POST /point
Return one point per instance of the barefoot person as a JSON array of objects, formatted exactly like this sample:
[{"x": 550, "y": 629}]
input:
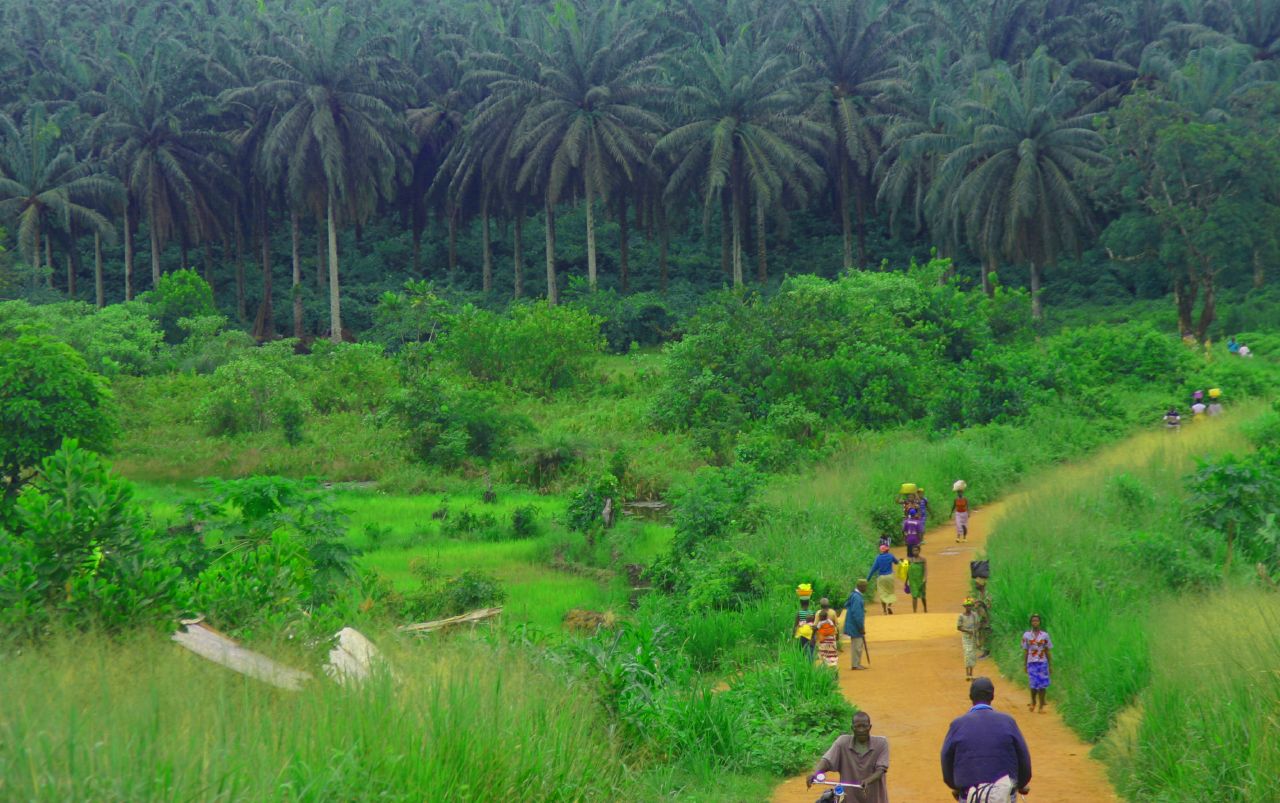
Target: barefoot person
[
  {"x": 960, "y": 511},
  {"x": 855, "y": 623},
  {"x": 860, "y": 758},
  {"x": 1037, "y": 648},
  {"x": 967, "y": 623},
  {"x": 984, "y": 751},
  {"x": 882, "y": 575}
]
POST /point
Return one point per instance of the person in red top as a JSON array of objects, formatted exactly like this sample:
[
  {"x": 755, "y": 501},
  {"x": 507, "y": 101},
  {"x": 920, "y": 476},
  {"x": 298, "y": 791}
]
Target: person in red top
[{"x": 960, "y": 509}]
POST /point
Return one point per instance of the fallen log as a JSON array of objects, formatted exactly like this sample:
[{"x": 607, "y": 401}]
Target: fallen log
[
  {"x": 208, "y": 643},
  {"x": 471, "y": 617}
]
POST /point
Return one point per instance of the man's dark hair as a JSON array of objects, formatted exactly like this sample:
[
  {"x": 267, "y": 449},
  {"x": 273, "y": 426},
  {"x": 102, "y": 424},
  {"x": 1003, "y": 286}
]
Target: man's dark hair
[
  {"x": 863, "y": 715},
  {"x": 982, "y": 690}
]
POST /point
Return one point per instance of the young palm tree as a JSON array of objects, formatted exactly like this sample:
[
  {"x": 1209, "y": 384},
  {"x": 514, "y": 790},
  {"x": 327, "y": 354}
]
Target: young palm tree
[
  {"x": 1011, "y": 186},
  {"x": 335, "y": 141},
  {"x": 743, "y": 139},
  {"x": 44, "y": 186}
]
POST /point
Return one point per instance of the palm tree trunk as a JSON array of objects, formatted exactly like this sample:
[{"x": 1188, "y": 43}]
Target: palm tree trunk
[
  {"x": 206, "y": 258},
  {"x": 553, "y": 292},
  {"x": 737, "y": 241},
  {"x": 860, "y": 207},
  {"x": 1259, "y": 272},
  {"x": 453, "y": 244},
  {"x": 37, "y": 245},
  {"x": 415, "y": 222},
  {"x": 846, "y": 227},
  {"x": 517, "y": 254},
  {"x": 321, "y": 265},
  {"x": 486, "y": 267},
  {"x": 1036, "y": 312},
  {"x": 128, "y": 254},
  {"x": 762, "y": 253},
  {"x": 71, "y": 274},
  {"x": 624, "y": 245},
  {"x": 183, "y": 262},
  {"x": 335, "y": 303},
  {"x": 99, "y": 290},
  {"x": 591, "y": 238},
  {"x": 726, "y": 234},
  {"x": 48, "y": 261},
  {"x": 264, "y": 327},
  {"x": 155, "y": 250},
  {"x": 664, "y": 240},
  {"x": 242, "y": 311},
  {"x": 295, "y": 234}
]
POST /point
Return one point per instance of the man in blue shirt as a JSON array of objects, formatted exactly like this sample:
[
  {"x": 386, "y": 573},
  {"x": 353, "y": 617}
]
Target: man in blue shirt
[
  {"x": 985, "y": 746},
  {"x": 855, "y": 624}
]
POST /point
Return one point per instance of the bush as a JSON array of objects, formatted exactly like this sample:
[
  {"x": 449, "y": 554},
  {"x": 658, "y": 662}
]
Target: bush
[
  {"x": 446, "y": 423},
  {"x": 587, "y": 504},
  {"x": 180, "y": 294},
  {"x": 710, "y": 504},
  {"x": 350, "y": 377},
  {"x": 47, "y": 393},
  {"x": 208, "y": 344},
  {"x": 253, "y": 395},
  {"x": 535, "y": 348},
  {"x": 524, "y": 522}
]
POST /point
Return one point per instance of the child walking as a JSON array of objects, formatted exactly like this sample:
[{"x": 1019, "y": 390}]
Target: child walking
[
  {"x": 825, "y": 633},
  {"x": 1037, "y": 648}
]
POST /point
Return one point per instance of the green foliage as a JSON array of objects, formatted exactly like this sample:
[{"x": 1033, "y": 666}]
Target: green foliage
[
  {"x": 179, "y": 294},
  {"x": 47, "y": 394},
  {"x": 414, "y": 315},
  {"x": 250, "y": 394},
  {"x": 440, "y": 596},
  {"x": 207, "y": 344},
  {"x": 446, "y": 423},
  {"x": 350, "y": 377},
  {"x": 524, "y": 521},
  {"x": 81, "y": 552},
  {"x": 1239, "y": 498},
  {"x": 711, "y": 504},
  {"x": 536, "y": 348},
  {"x": 121, "y": 338},
  {"x": 638, "y": 319},
  {"x": 587, "y": 504}
]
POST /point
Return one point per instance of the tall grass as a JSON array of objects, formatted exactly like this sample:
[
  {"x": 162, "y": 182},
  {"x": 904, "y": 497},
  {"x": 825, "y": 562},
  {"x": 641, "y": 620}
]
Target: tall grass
[
  {"x": 90, "y": 719},
  {"x": 1210, "y": 726}
]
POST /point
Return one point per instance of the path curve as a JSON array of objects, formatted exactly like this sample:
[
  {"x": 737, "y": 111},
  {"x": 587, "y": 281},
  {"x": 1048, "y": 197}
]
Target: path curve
[{"x": 916, "y": 686}]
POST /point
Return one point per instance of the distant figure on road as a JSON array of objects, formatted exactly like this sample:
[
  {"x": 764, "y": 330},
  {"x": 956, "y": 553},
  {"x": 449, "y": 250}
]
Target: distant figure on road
[
  {"x": 982, "y": 607},
  {"x": 984, "y": 753},
  {"x": 860, "y": 758},
  {"x": 882, "y": 573},
  {"x": 1037, "y": 649},
  {"x": 917, "y": 575},
  {"x": 913, "y": 529},
  {"x": 967, "y": 623},
  {"x": 855, "y": 623},
  {"x": 825, "y": 633},
  {"x": 960, "y": 510}
]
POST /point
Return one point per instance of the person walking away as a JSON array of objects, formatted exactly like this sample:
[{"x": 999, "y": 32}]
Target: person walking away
[
  {"x": 1215, "y": 401},
  {"x": 1037, "y": 649},
  {"x": 923, "y": 505},
  {"x": 855, "y": 623},
  {"x": 882, "y": 574},
  {"x": 984, "y": 750},
  {"x": 960, "y": 511},
  {"x": 860, "y": 758},
  {"x": 1198, "y": 407},
  {"x": 824, "y": 604},
  {"x": 913, "y": 529},
  {"x": 802, "y": 628},
  {"x": 824, "y": 633},
  {"x": 967, "y": 624},
  {"x": 982, "y": 607},
  {"x": 917, "y": 574}
]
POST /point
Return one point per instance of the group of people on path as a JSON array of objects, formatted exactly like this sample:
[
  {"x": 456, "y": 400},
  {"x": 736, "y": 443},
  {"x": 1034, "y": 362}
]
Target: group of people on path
[
  {"x": 984, "y": 758},
  {"x": 1199, "y": 408}
]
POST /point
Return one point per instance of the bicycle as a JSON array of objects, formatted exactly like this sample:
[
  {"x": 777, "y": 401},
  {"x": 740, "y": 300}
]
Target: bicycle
[{"x": 837, "y": 791}]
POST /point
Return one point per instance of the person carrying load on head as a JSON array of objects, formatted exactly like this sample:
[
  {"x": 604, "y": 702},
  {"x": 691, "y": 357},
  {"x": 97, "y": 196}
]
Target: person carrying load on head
[
  {"x": 913, "y": 529},
  {"x": 802, "y": 628},
  {"x": 960, "y": 511},
  {"x": 1215, "y": 401},
  {"x": 882, "y": 575},
  {"x": 1198, "y": 407}
]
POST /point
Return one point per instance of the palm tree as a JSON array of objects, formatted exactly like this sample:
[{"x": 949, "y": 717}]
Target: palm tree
[
  {"x": 854, "y": 52},
  {"x": 743, "y": 139},
  {"x": 43, "y": 185},
  {"x": 335, "y": 142},
  {"x": 1011, "y": 186},
  {"x": 168, "y": 164}
]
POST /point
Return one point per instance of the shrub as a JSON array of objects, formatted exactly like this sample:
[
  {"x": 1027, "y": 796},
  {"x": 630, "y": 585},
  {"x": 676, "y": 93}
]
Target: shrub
[
  {"x": 446, "y": 423},
  {"x": 208, "y": 344},
  {"x": 350, "y": 377},
  {"x": 586, "y": 504},
  {"x": 710, "y": 504},
  {"x": 47, "y": 393},
  {"x": 180, "y": 294},
  {"x": 253, "y": 395},
  {"x": 524, "y": 522},
  {"x": 120, "y": 338},
  {"x": 535, "y": 348}
]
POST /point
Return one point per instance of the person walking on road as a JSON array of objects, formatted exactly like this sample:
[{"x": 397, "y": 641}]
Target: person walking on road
[
  {"x": 984, "y": 755},
  {"x": 917, "y": 574},
  {"x": 960, "y": 511},
  {"x": 855, "y": 623},
  {"x": 1037, "y": 649},
  {"x": 982, "y": 607},
  {"x": 967, "y": 623},
  {"x": 860, "y": 758},
  {"x": 882, "y": 572}
]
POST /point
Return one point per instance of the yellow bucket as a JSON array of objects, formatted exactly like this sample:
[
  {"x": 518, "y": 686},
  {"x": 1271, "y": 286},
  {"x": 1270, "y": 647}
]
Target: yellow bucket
[
  {"x": 907, "y": 488},
  {"x": 1215, "y": 392}
]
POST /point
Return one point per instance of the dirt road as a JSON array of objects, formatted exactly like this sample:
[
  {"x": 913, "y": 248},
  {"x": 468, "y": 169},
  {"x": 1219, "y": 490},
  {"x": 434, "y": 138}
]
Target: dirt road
[{"x": 916, "y": 686}]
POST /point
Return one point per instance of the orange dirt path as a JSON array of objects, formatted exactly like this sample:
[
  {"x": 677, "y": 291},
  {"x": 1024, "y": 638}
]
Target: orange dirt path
[{"x": 915, "y": 687}]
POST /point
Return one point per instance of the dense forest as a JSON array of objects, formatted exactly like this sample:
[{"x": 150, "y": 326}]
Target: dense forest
[{"x": 343, "y": 148}]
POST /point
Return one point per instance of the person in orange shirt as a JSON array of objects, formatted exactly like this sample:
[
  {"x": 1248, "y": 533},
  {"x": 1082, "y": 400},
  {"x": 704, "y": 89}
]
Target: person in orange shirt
[{"x": 960, "y": 510}]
